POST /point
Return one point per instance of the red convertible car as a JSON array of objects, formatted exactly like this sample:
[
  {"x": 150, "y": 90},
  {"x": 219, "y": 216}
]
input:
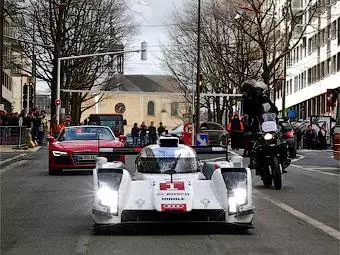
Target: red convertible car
[{"x": 78, "y": 146}]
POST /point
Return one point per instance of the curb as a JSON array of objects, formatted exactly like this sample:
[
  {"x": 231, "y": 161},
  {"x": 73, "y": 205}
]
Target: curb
[{"x": 8, "y": 161}]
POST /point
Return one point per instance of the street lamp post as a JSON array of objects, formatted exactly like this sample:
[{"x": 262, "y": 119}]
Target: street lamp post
[
  {"x": 197, "y": 120},
  {"x": 2, "y": 3}
]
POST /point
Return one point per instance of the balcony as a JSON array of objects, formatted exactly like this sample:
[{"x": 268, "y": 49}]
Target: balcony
[
  {"x": 298, "y": 31},
  {"x": 297, "y": 6}
]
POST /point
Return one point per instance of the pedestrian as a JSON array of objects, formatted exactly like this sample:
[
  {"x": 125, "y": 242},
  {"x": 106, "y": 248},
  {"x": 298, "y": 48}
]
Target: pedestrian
[
  {"x": 135, "y": 134},
  {"x": 152, "y": 133},
  {"x": 161, "y": 129},
  {"x": 246, "y": 136},
  {"x": 54, "y": 127},
  {"x": 321, "y": 139},
  {"x": 236, "y": 129},
  {"x": 143, "y": 129}
]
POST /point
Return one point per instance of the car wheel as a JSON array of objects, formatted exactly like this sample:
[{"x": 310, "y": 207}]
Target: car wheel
[
  {"x": 223, "y": 141},
  {"x": 276, "y": 173},
  {"x": 267, "y": 181},
  {"x": 52, "y": 171},
  {"x": 292, "y": 153}
]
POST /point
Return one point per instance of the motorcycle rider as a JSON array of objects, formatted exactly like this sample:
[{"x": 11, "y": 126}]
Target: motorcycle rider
[{"x": 255, "y": 103}]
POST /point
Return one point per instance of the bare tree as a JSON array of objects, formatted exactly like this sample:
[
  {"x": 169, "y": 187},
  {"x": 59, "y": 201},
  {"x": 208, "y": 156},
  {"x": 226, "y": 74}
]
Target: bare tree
[
  {"x": 276, "y": 30},
  {"x": 228, "y": 57},
  {"x": 74, "y": 27}
]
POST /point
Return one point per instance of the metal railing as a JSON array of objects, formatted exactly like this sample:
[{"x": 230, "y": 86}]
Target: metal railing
[{"x": 13, "y": 135}]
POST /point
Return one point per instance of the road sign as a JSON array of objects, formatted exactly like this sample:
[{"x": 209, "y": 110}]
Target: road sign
[
  {"x": 292, "y": 114},
  {"x": 202, "y": 140},
  {"x": 68, "y": 118},
  {"x": 57, "y": 102}
]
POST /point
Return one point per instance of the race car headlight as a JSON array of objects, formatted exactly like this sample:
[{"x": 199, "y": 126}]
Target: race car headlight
[
  {"x": 268, "y": 136},
  {"x": 59, "y": 153},
  {"x": 109, "y": 199},
  {"x": 238, "y": 197}
]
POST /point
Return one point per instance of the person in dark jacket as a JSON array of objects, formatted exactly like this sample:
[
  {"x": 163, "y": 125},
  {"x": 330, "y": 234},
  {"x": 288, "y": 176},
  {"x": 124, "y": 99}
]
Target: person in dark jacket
[
  {"x": 135, "y": 134},
  {"x": 236, "y": 128},
  {"x": 152, "y": 133},
  {"x": 161, "y": 129},
  {"x": 143, "y": 129}
]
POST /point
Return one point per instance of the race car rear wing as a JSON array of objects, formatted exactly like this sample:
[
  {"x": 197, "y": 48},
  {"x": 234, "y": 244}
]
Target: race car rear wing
[{"x": 136, "y": 150}]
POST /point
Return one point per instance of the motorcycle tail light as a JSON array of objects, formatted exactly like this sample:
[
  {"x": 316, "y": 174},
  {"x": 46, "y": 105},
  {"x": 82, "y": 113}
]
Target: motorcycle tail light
[{"x": 288, "y": 134}]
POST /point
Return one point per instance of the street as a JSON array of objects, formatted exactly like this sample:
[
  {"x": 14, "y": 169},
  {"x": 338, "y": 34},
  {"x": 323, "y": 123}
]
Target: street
[{"x": 42, "y": 214}]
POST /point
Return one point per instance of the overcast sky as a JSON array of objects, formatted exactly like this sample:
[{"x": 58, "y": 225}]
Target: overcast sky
[{"x": 153, "y": 16}]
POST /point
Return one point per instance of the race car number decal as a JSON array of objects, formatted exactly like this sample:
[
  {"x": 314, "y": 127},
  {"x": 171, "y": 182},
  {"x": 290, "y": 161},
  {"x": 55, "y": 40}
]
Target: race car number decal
[
  {"x": 174, "y": 207},
  {"x": 176, "y": 185}
]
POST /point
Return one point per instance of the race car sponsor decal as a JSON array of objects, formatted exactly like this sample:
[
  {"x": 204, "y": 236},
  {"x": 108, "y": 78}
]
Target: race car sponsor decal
[
  {"x": 174, "y": 207},
  {"x": 176, "y": 185}
]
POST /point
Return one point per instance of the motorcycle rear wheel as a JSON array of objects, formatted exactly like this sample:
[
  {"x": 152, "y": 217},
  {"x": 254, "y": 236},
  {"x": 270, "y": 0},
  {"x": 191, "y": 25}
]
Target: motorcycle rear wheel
[{"x": 276, "y": 173}]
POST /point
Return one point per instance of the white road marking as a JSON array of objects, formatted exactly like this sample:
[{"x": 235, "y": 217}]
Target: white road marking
[
  {"x": 12, "y": 158},
  {"x": 82, "y": 244},
  {"x": 312, "y": 170},
  {"x": 299, "y": 158},
  {"x": 324, "y": 168},
  {"x": 12, "y": 166},
  {"x": 323, "y": 227}
]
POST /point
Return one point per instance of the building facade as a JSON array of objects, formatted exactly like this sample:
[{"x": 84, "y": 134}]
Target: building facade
[
  {"x": 314, "y": 65},
  {"x": 14, "y": 77},
  {"x": 139, "y": 98}
]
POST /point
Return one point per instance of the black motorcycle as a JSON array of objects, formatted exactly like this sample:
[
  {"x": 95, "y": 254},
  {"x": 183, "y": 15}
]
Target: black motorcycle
[{"x": 270, "y": 152}]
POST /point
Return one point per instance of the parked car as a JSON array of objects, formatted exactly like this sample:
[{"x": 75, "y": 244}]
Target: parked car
[
  {"x": 217, "y": 133},
  {"x": 289, "y": 136}
]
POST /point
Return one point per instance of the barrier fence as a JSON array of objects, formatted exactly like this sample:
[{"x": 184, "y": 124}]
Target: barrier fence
[{"x": 13, "y": 135}]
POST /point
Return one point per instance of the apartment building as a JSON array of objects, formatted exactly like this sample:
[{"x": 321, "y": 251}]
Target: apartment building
[
  {"x": 13, "y": 76},
  {"x": 314, "y": 65}
]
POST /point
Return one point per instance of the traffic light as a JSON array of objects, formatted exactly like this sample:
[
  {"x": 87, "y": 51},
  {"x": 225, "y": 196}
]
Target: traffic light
[
  {"x": 31, "y": 98},
  {"x": 28, "y": 96}
]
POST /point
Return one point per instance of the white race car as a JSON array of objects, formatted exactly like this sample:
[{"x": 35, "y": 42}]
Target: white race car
[{"x": 171, "y": 184}]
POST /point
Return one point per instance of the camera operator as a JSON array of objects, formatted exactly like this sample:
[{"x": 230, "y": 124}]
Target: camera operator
[{"x": 255, "y": 103}]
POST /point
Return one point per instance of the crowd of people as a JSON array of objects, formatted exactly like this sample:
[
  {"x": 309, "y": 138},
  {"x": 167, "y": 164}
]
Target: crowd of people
[
  {"x": 144, "y": 135},
  {"x": 238, "y": 129},
  {"x": 310, "y": 138},
  {"x": 34, "y": 120}
]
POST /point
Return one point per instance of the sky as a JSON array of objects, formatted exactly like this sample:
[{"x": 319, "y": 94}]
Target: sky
[
  {"x": 153, "y": 16},
  {"x": 153, "y": 19}
]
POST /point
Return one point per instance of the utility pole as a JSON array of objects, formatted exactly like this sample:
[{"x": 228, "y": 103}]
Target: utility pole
[
  {"x": 197, "y": 121},
  {"x": 34, "y": 64},
  {"x": 2, "y": 12},
  {"x": 285, "y": 63}
]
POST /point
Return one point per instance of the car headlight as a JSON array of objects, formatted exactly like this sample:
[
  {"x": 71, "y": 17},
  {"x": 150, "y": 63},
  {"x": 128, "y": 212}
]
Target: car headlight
[
  {"x": 237, "y": 197},
  {"x": 59, "y": 153},
  {"x": 108, "y": 198},
  {"x": 268, "y": 136}
]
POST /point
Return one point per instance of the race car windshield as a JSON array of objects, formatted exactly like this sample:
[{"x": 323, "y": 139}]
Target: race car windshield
[
  {"x": 85, "y": 133},
  {"x": 162, "y": 165}
]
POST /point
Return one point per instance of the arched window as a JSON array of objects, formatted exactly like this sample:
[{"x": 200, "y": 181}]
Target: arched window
[
  {"x": 174, "y": 109},
  {"x": 151, "y": 108}
]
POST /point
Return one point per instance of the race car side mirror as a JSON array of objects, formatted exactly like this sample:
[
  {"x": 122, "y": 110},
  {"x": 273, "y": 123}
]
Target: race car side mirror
[{"x": 50, "y": 139}]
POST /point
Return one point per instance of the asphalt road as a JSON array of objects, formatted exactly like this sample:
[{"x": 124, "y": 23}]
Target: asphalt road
[{"x": 43, "y": 214}]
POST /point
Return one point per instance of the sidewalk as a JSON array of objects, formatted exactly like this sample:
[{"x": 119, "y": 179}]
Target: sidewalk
[
  {"x": 320, "y": 158},
  {"x": 11, "y": 148}
]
